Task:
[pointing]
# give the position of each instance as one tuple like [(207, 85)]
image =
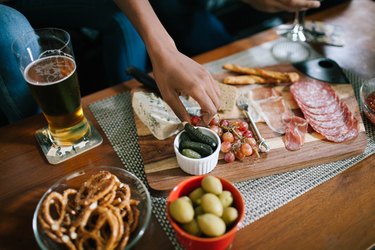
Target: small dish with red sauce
[(367, 94)]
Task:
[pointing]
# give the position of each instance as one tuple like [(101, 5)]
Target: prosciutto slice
[(295, 131), (270, 105), (324, 110)]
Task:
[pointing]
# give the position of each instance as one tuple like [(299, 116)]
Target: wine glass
[(297, 32), (294, 49)]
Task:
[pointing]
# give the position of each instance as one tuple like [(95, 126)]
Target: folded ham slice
[(270, 105), (295, 131), (324, 110)]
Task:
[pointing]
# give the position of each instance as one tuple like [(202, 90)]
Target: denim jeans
[(121, 44)]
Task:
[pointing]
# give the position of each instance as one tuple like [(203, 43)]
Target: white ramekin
[(198, 166)]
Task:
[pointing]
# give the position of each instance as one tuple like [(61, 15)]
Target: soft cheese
[(156, 115)]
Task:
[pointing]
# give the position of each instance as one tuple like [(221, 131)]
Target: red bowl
[(189, 241)]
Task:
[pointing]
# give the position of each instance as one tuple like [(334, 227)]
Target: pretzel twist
[(99, 215)]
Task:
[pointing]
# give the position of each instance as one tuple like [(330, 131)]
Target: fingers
[(295, 5), (216, 90), (208, 107), (310, 4), (207, 97), (173, 100), (213, 91)]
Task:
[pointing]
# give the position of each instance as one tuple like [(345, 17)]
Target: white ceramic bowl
[(198, 166)]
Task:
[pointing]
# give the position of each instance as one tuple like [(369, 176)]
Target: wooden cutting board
[(163, 172)]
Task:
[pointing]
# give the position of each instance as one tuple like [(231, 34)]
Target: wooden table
[(339, 214)]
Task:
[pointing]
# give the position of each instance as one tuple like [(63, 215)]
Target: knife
[(149, 82)]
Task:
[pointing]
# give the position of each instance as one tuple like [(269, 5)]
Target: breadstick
[(279, 77), (245, 79)]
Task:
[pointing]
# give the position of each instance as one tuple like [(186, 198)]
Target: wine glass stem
[(299, 18), (297, 33)]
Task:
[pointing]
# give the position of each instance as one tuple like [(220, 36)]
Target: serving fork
[(242, 104)]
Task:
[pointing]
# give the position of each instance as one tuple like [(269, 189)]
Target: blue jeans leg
[(16, 101)]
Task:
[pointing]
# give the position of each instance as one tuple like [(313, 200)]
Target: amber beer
[(54, 84)]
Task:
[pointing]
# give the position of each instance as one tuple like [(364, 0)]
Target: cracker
[(227, 97)]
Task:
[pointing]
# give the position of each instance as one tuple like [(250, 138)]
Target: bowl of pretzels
[(94, 208)]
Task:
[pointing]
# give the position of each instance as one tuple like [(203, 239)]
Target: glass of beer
[(46, 60)]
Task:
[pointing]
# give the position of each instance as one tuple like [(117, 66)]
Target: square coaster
[(56, 154)]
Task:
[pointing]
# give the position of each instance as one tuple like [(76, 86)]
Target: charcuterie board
[(163, 172)]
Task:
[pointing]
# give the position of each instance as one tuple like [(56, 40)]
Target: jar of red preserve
[(367, 93)]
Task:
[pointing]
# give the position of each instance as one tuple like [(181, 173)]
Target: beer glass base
[(56, 154)]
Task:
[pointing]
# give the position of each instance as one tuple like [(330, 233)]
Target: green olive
[(211, 204), (187, 199), (192, 228), (211, 225), (226, 198), (211, 184), (230, 214), (181, 210), (196, 195)]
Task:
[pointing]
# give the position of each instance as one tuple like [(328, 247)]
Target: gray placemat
[(262, 195)]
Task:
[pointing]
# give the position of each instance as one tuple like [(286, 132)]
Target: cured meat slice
[(333, 120), (262, 93), (314, 95), (272, 111), (325, 114), (330, 107), (324, 111), (270, 106), (295, 131)]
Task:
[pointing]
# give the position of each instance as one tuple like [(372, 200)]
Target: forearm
[(174, 72), (144, 19)]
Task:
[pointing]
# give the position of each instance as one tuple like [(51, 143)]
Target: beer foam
[(49, 70)]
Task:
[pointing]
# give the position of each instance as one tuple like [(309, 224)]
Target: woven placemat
[(262, 195)]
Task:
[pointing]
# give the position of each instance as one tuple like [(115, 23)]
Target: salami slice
[(324, 110), (314, 94)]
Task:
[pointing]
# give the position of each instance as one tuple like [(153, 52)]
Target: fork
[(242, 104)]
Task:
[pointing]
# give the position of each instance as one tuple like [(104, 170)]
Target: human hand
[(273, 6), (177, 74)]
